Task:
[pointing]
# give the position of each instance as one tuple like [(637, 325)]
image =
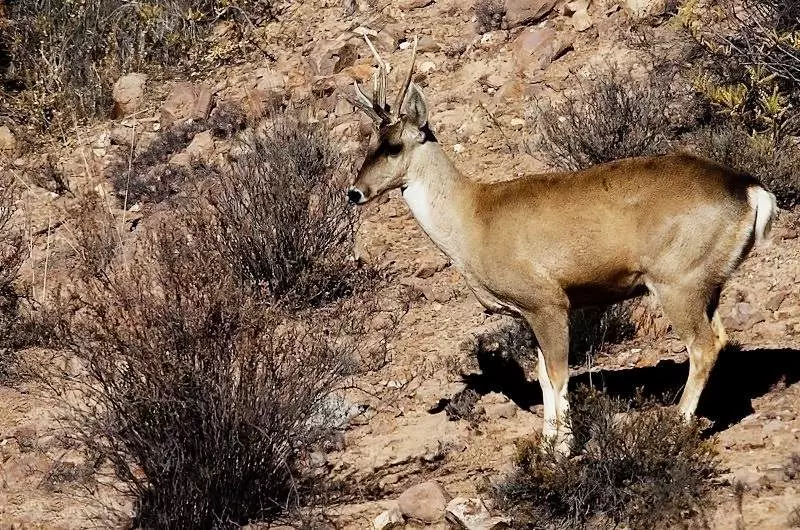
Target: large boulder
[(128, 93), (186, 101), (424, 502), (525, 12)]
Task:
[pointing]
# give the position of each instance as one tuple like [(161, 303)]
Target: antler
[(376, 108)]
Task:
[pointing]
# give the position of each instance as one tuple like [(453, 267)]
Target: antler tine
[(363, 102), (383, 72), (407, 82)]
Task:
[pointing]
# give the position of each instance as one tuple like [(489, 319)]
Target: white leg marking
[(549, 399)]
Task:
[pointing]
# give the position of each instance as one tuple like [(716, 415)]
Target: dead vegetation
[(12, 255), (489, 15), (282, 220), (639, 468), (63, 57), (614, 116), (203, 398)]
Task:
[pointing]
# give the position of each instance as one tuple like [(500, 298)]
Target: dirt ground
[(480, 103)]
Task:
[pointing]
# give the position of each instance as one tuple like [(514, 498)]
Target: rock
[(427, 67), (122, 135), (391, 518), (581, 21), (570, 8), (535, 48), (186, 101), (505, 410), (472, 514), (408, 5), (744, 315), (427, 267), (775, 300), (7, 139), (424, 502), (202, 145), (128, 93), (26, 438), (526, 12), (331, 57), (268, 80), (427, 44), (644, 8)]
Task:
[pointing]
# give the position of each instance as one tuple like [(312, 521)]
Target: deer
[(538, 246)]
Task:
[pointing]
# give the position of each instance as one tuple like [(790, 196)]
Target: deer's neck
[(441, 199)]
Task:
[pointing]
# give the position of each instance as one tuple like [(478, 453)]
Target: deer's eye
[(394, 149)]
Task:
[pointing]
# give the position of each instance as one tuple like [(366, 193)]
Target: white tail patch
[(763, 202)]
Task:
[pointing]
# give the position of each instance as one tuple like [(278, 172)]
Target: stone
[(505, 410), (644, 8), (744, 315), (581, 21), (331, 57), (7, 139), (424, 502), (526, 12), (408, 5), (427, 44), (775, 300), (186, 101), (472, 514), (268, 80), (391, 518), (122, 135), (535, 48), (570, 8), (128, 93)]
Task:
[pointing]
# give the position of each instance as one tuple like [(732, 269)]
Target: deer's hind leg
[(693, 314), (550, 325)]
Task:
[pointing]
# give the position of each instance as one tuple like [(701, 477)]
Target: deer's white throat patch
[(436, 215)]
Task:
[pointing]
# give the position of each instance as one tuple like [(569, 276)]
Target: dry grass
[(489, 15), (641, 468)]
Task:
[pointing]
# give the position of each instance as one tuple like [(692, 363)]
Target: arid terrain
[(483, 91)]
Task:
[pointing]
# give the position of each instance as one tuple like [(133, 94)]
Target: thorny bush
[(12, 254), (204, 398), (641, 469)]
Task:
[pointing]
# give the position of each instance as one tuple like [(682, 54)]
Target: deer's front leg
[(550, 324)]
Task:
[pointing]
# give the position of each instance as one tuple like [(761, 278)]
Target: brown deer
[(676, 226)]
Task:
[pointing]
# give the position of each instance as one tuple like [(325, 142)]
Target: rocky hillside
[(426, 436)]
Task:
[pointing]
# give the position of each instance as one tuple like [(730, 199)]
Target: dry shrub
[(462, 407), (489, 15), (614, 116), (281, 216), (62, 57), (148, 177), (96, 236), (794, 518), (641, 468), (774, 163), (203, 398), (12, 254), (226, 119)]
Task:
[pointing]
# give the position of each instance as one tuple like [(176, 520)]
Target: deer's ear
[(415, 108)]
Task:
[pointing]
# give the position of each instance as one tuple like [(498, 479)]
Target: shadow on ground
[(738, 377)]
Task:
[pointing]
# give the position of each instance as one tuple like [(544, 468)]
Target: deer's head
[(398, 132)]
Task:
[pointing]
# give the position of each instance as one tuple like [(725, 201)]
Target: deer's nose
[(355, 196)]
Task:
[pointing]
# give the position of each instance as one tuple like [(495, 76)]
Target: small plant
[(226, 119), (489, 15), (462, 407), (641, 468), (12, 254), (96, 234), (615, 116)]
